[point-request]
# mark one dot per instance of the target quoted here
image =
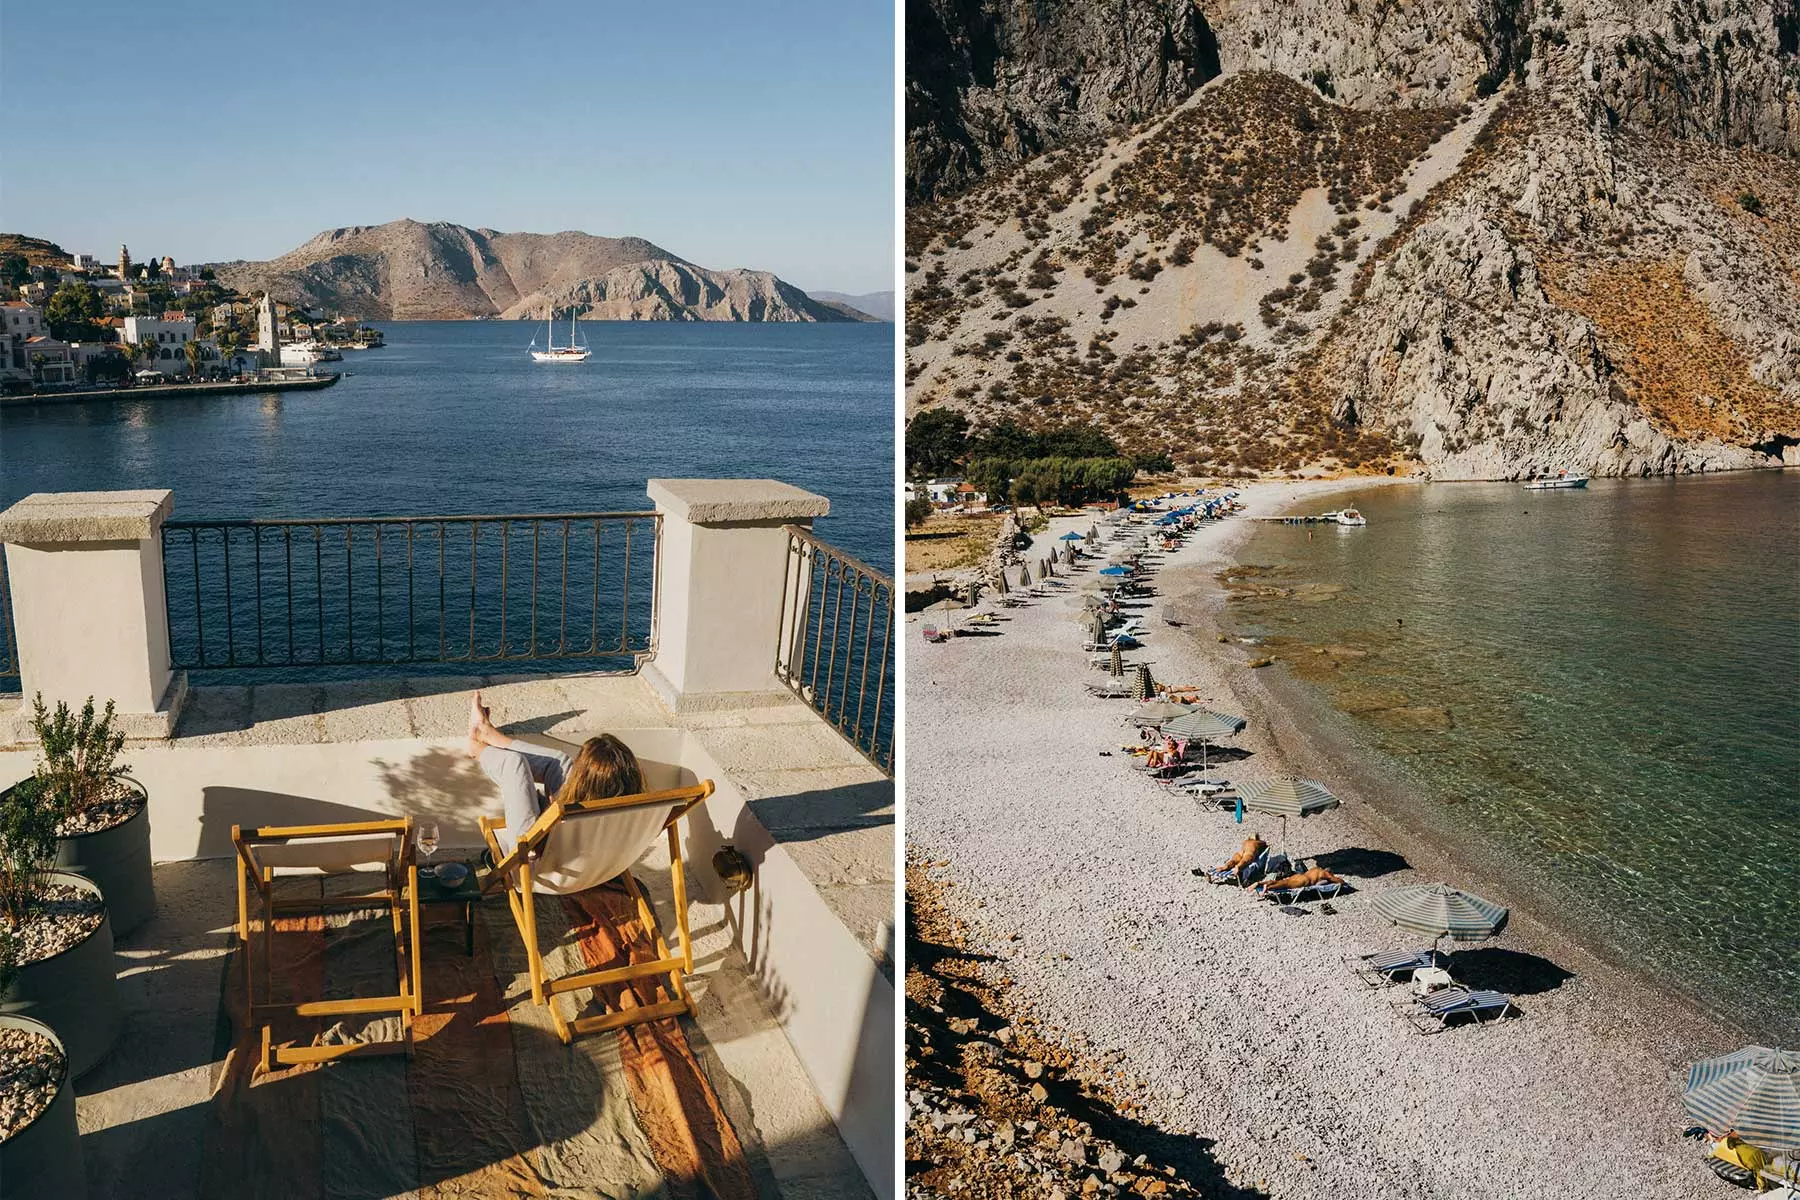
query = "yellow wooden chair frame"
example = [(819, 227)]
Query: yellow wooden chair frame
[(514, 871), (400, 897)]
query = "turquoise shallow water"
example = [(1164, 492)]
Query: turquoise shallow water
[(1620, 672)]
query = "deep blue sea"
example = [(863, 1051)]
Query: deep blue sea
[(1598, 691), (453, 418)]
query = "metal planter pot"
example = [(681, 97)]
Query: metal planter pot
[(44, 1158), (75, 992), (118, 859)]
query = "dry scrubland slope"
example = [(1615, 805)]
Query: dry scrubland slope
[(1495, 238), (409, 270)]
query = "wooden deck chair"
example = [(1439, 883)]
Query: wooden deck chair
[(277, 850), (578, 845)]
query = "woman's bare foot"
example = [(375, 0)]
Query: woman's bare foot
[(478, 725)]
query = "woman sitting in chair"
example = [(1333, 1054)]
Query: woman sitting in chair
[(604, 767)]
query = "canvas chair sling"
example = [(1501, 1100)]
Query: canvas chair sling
[(277, 850), (577, 845)]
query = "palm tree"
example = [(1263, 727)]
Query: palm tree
[(195, 355)]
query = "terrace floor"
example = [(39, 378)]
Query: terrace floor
[(490, 1104)]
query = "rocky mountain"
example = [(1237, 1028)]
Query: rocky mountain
[(879, 305), (1490, 238), (409, 270)]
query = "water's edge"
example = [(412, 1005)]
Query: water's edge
[(1317, 739)]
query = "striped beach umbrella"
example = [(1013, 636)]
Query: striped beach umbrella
[(1156, 712), (1024, 575), (1204, 726), (1000, 583), (1441, 911), (1117, 665), (1754, 1093), (1142, 686), (1284, 797)]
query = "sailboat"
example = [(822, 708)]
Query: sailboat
[(573, 352)]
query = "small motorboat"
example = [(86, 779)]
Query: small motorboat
[(1562, 479), (1347, 516)]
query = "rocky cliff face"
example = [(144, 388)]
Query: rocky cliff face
[(407, 270), (1489, 237)]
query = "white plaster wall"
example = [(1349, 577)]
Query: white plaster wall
[(91, 622)]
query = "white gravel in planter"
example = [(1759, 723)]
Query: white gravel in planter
[(124, 803), (31, 1071), (66, 915)]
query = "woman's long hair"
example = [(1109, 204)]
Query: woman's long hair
[(604, 767)]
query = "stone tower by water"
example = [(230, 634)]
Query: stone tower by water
[(268, 330)]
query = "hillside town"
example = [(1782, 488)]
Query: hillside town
[(70, 323)]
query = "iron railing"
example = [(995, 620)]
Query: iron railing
[(370, 591), (9, 641), (835, 649)]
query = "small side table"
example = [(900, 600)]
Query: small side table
[(465, 894)]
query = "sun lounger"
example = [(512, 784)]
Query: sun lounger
[(1325, 889), (1242, 876), (580, 844), (1391, 966), (1433, 1013)]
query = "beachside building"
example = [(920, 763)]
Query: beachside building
[(169, 335), (942, 491), (20, 319)]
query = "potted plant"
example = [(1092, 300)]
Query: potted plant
[(40, 1145), (60, 940), (104, 832)]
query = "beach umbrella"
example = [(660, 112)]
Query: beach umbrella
[(1284, 797), (1114, 570), (1441, 911), (1070, 536), (1204, 723), (1117, 666), (1069, 557), (1093, 534), (1024, 575), (1142, 686), (944, 608), (1000, 583), (1158, 711), (1754, 1093)]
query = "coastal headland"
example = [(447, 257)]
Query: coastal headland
[(1212, 1033)]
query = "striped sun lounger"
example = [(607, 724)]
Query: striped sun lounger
[(1433, 1012), (1390, 967), (1323, 890)]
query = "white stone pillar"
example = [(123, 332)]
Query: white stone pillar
[(722, 561), (86, 575)]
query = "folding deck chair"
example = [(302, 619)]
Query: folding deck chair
[(1391, 966), (282, 850), (1432, 1013), (574, 846)]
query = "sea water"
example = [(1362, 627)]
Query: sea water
[(1600, 688)]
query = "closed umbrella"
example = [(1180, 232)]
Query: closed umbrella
[(1754, 1093), (1093, 534), (1284, 797), (1097, 631), (1000, 583), (1024, 575), (1117, 666), (1069, 556), (1142, 686), (1441, 911)]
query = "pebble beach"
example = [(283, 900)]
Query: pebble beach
[(1234, 1023)]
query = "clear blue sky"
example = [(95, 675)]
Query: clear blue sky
[(733, 134)]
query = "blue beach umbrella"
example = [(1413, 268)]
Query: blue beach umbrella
[(1114, 571), (1754, 1093), (1070, 536)]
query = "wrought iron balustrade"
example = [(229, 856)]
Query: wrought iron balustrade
[(836, 643), (374, 591)]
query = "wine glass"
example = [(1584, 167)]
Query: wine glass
[(427, 838)]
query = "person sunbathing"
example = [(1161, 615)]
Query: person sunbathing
[(1290, 883), (1253, 846)]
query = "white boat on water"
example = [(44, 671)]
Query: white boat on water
[(575, 351), (305, 354), (1347, 516), (1562, 480)]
